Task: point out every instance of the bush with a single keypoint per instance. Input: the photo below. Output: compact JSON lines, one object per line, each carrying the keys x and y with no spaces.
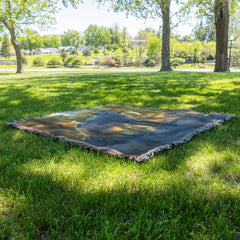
{"x":125,"y":50}
{"x":175,"y":64}
{"x":105,"y":52}
{"x":211,"y":57}
{"x":68,"y":60}
{"x":126,"y":59}
{"x":178,"y":60}
{"x":24,"y":60}
{"x":153,"y":48}
{"x":74,"y":51}
{"x":109,"y":48}
{"x":38,"y":62}
{"x":119,"y":60}
{"x":122,"y":45}
{"x":73,"y":61}
{"x":236,"y":54}
{"x":138,"y":62}
{"x":97,"y":62}
{"x":118,"y":52}
{"x":203,"y":59}
{"x":63,"y":54}
{"x":115,"y":46}
{"x":86,"y":52}
{"x":96,"y":50}
{"x":76,"y":62}
{"x":131,"y":46}
{"x":150,"y":62}
{"x":195,"y":59}
{"x":180,"y":54}
{"x":109,"y":61}
{"x":130,"y":63}
{"x":54,"y":62}
{"x":195,"y":56}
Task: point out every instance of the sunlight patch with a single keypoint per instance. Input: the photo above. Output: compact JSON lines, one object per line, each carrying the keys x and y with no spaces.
{"x":125,"y":131}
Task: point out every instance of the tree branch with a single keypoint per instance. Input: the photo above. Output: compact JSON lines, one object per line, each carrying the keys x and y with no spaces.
{"x":5,"y":23}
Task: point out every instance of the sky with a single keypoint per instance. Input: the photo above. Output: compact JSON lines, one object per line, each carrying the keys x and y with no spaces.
{"x":88,"y":13}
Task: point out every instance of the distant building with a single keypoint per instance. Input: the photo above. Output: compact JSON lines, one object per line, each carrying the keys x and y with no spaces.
{"x":67,"y":48}
{"x":48,"y":50}
{"x":82,"y":48}
{"x":33,"y":52}
{"x":137,"y":43}
{"x":102,"y":47}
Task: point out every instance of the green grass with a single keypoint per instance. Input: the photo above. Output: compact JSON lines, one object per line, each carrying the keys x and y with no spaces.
{"x":52,"y":190}
{"x":196,"y":65}
{"x":8,"y":67}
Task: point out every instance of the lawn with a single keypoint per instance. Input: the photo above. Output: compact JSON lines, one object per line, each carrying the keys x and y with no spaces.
{"x":52,"y":190}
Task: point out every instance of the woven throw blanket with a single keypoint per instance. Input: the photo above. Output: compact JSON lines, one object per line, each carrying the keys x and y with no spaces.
{"x":125,"y":131}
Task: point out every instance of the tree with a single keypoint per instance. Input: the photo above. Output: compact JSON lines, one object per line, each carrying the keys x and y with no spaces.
{"x":186,"y":38}
{"x":144,"y":35}
{"x":221,"y":10}
{"x":234,"y":25}
{"x":31,"y":41}
{"x":144,"y":9}
{"x":205,"y":32}
{"x":97,"y":36}
{"x":124,"y":35}
{"x":165,"y":9}
{"x":115,"y":35}
{"x":51,"y":41}
{"x":72,"y":38}
{"x":5,"y":50}
{"x":154,"y":48}
{"x":15,"y":15}
{"x":63,"y":54}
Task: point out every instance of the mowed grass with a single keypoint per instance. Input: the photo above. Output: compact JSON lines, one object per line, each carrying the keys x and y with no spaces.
{"x":53,"y":190}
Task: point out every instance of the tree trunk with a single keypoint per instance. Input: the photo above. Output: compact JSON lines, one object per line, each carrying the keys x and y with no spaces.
{"x":165,"y":8}
{"x":221,"y":12}
{"x":17,"y":48}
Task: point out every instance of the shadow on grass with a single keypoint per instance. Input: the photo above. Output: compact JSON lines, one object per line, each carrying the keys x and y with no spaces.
{"x":34,"y":95}
{"x":69,"y":91}
{"x":42,"y":206}
{"x":162,"y":199}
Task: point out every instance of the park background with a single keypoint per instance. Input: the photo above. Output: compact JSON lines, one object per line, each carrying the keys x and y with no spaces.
{"x":95,"y":36}
{"x":53,"y":190}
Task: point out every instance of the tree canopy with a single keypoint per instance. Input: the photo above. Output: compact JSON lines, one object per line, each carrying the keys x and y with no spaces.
{"x":97,"y":36}
{"x":5,"y":49}
{"x":71,"y":38}
{"x":145,"y":9}
{"x":234,"y":25}
{"x":17,"y":15}
{"x":22,"y":13}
